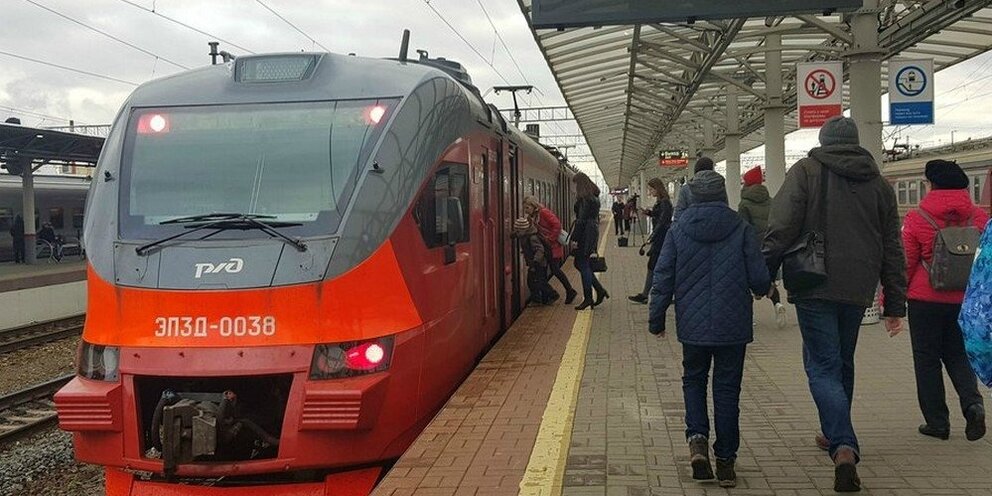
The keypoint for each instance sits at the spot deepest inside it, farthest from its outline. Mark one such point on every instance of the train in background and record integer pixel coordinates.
(59, 200)
(974, 157)
(293, 261)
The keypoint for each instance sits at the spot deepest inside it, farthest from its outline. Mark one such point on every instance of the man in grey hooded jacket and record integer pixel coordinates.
(859, 220)
(685, 194)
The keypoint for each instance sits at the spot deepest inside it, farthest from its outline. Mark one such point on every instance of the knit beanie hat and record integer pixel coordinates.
(707, 186)
(704, 163)
(944, 174)
(839, 130)
(521, 224)
(753, 177)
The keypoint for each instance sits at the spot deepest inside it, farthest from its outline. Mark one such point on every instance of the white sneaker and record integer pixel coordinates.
(780, 315)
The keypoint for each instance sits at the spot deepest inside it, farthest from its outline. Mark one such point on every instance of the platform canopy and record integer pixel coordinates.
(641, 88)
(19, 144)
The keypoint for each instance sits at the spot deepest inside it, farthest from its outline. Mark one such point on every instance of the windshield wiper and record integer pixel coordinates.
(223, 222)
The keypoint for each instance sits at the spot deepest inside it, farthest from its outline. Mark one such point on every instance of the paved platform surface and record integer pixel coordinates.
(626, 429)
(20, 276)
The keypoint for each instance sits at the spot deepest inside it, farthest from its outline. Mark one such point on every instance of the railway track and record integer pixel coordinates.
(43, 332)
(29, 409)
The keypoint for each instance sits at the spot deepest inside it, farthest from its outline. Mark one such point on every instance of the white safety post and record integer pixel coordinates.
(774, 114)
(732, 145)
(30, 230)
(865, 63)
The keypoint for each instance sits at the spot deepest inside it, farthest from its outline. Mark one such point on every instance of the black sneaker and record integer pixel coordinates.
(699, 452)
(928, 430)
(638, 298)
(725, 472)
(975, 415)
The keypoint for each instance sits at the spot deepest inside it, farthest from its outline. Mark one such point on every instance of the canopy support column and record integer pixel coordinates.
(774, 115)
(865, 57)
(732, 145)
(30, 230)
(708, 149)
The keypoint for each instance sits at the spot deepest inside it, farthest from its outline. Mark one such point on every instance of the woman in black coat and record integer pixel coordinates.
(661, 220)
(585, 238)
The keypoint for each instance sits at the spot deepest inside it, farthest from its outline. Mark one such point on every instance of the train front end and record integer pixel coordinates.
(248, 322)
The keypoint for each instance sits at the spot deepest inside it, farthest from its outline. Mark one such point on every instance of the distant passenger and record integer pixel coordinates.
(685, 198)
(711, 264)
(618, 217)
(17, 235)
(859, 220)
(536, 258)
(630, 212)
(661, 219)
(754, 208)
(933, 313)
(585, 239)
(549, 227)
(47, 233)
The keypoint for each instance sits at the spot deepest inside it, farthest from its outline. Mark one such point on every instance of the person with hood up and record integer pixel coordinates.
(755, 204)
(933, 314)
(711, 264)
(858, 219)
(685, 198)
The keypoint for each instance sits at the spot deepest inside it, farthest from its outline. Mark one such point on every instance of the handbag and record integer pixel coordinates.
(804, 264)
(597, 263)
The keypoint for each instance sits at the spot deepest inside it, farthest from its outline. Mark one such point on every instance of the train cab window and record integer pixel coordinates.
(57, 217)
(431, 212)
(6, 219)
(77, 218)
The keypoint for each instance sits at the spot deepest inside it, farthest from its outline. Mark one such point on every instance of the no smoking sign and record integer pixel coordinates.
(820, 96)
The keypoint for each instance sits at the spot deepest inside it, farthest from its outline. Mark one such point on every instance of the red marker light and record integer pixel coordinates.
(153, 124)
(376, 113)
(365, 356)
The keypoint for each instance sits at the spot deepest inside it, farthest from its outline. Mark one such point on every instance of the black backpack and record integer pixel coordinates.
(954, 249)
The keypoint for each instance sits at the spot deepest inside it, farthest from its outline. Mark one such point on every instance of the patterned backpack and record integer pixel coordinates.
(976, 311)
(954, 249)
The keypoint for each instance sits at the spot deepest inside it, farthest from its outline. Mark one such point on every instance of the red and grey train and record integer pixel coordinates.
(294, 260)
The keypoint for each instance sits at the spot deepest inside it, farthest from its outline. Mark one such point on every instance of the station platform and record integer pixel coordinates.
(590, 403)
(42, 292)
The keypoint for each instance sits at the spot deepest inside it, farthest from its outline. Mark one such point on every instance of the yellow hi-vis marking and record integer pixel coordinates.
(546, 468)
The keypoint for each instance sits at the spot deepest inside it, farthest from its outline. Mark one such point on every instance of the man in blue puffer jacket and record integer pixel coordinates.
(711, 264)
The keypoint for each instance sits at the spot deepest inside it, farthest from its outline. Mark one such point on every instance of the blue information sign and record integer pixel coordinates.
(911, 92)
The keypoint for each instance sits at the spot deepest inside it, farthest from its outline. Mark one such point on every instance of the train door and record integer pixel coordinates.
(491, 246)
(511, 211)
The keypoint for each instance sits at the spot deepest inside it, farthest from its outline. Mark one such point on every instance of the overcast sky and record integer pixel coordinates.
(47, 96)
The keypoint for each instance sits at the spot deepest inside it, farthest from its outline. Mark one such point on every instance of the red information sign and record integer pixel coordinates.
(820, 96)
(673, 158)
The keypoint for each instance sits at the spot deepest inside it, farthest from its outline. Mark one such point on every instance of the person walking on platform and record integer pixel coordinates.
(755, 204)
(933, 313)
(17, 236)
(836, 208)
(549, 227)
(630, 213)
(661, 219)
(618, 217)
(536, 257)
(585, 239)
(711, 264)
(685, 198)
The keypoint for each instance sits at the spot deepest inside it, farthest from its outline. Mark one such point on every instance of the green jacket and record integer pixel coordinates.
(755, 206)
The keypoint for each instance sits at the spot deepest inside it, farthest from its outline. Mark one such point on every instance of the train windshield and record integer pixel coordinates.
(295, 162)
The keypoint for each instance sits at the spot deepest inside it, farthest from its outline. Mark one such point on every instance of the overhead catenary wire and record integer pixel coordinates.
(67, 68)
(187, 26)
(104, 33)
(294, 26)
(33, 113)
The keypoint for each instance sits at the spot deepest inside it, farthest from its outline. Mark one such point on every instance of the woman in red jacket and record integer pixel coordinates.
(933, 314)
(549, 227)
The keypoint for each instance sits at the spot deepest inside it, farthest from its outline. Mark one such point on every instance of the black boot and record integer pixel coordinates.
(638, 298)
(699, 452)
(725, 472)
(975, 415)
(928, 430)
(601, 294)
(584, 305)
(570, 295)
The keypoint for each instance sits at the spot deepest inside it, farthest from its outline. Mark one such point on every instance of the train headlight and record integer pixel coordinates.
(333, 361)
(98, 362)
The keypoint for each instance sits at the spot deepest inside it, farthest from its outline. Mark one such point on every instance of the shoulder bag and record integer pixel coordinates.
(804, 265)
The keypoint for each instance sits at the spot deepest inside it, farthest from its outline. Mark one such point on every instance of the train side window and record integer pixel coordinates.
(57, 217)
(914, 192)
(902, 192)
(530, 186)
(976, 189)
(77, 218)
(6, 219)
(431, 211)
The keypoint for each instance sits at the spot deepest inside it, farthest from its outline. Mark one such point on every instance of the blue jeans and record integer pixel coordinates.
(830, 336)
(589, 280)
(728, 370)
